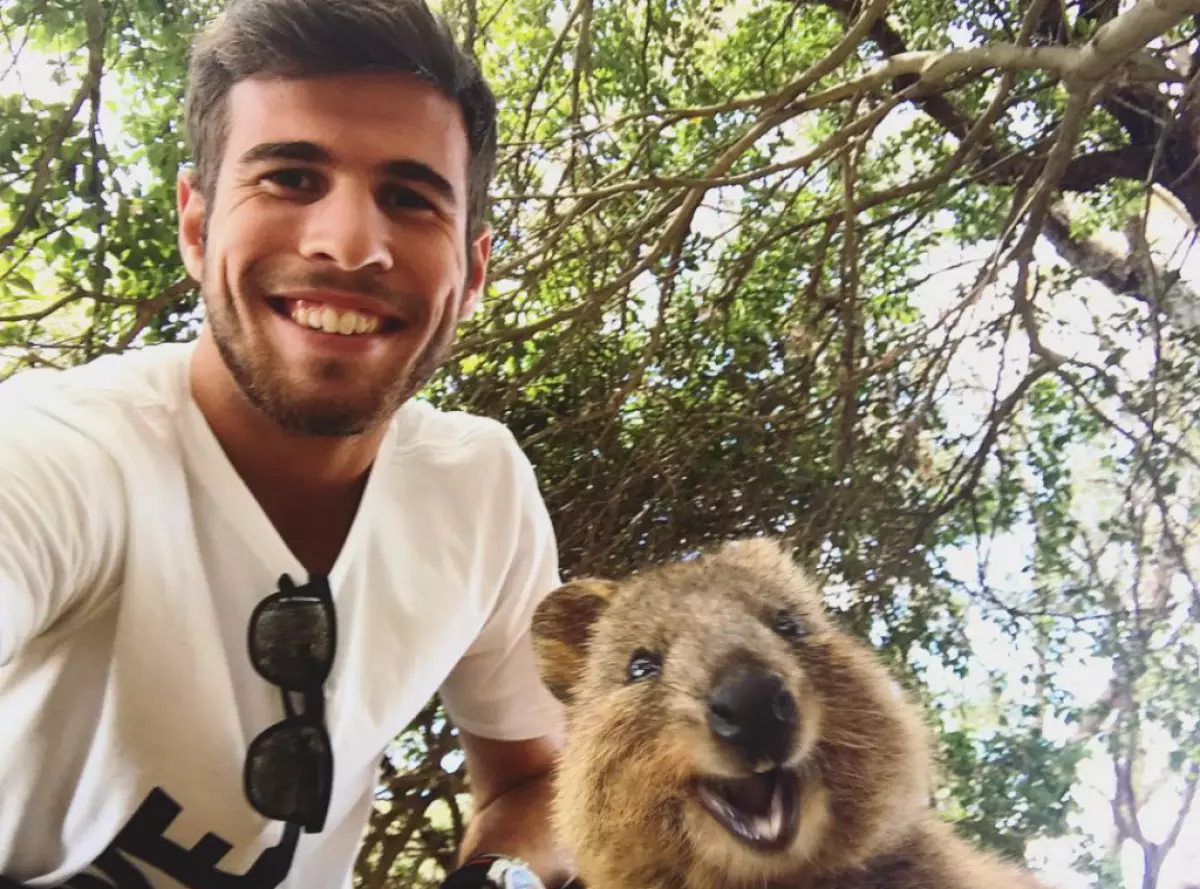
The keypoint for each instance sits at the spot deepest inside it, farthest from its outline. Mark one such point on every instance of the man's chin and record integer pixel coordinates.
(328, 397)
(330, 414)
(327, 417)
(316, 424)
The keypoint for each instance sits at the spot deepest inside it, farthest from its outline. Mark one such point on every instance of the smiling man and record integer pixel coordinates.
(231, 571)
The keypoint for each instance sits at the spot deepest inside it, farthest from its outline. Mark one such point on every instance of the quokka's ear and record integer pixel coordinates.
(562, 626)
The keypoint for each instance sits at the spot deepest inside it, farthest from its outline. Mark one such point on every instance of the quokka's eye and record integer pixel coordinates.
(644, 664)
(787, 625)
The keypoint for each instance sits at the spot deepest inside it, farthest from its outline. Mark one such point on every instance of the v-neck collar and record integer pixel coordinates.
(243, 511)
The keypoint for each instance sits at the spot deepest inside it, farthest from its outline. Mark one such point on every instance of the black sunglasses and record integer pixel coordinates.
(288, 775)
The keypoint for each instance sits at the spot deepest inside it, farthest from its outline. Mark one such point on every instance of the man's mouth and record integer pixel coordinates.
(762, 811)
(333, 319)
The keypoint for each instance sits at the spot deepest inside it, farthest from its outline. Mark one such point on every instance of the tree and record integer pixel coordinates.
(841, 271)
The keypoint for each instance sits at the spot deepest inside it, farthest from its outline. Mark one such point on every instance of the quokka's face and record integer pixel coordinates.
(705, 714)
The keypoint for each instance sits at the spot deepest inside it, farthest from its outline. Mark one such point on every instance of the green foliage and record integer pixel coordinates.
(1104, 869)
(1009, 787)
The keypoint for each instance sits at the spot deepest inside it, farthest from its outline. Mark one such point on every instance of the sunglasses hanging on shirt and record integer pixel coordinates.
(288, 774)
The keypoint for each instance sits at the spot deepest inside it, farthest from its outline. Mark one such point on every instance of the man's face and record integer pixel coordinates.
(334, 267)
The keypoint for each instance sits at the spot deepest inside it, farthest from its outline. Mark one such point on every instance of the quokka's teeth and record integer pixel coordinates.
(775, 817)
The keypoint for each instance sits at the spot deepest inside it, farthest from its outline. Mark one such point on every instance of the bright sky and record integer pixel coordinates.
(977, 370)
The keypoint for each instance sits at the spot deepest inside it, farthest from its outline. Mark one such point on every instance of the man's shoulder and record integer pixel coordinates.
(456, 434)
(467, 458)
(103, 401)
(135, 379)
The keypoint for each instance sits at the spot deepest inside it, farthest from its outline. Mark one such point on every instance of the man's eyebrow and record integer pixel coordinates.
(290, 151)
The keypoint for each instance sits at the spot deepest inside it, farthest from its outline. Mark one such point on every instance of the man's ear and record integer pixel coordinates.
(192, 213)
(480, 251)
(562, 627)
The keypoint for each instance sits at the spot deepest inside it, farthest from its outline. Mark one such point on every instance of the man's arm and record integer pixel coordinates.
(61, 515)
(509, 723)
(511, 788)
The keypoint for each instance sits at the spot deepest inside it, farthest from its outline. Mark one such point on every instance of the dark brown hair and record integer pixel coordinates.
(302, 38)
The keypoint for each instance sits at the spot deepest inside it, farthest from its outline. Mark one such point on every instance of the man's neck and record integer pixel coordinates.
(308, 486)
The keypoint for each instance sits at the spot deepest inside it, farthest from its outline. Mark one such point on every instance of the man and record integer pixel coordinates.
(232, 571)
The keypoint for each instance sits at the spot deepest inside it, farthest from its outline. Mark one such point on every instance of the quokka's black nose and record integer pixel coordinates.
(751, 709)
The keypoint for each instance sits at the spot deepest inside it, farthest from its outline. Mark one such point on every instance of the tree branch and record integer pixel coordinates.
(1087, 172)
(1121, 38)
(968, 478)
(42, 314)
(147, 309)
(1080, 174)
(850, 320)
(1122, 273)
(1185, 807)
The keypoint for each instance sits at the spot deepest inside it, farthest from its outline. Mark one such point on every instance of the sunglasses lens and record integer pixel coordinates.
(291, 641)
(289, 772)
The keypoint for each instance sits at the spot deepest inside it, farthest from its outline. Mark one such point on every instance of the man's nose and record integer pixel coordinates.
(347, 228)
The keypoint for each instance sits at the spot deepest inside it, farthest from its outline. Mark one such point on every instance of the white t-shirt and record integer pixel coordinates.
(131, 556)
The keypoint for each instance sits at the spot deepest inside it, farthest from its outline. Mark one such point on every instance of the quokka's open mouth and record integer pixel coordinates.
(761, 810)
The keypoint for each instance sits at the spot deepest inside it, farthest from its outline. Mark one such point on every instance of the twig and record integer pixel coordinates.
(147, 309)
(684, 206)
(849, 306)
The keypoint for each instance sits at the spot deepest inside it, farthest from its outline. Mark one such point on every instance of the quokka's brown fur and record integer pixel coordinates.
(626, 800)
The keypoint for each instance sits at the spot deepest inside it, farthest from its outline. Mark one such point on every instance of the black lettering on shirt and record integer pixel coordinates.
(143, 841)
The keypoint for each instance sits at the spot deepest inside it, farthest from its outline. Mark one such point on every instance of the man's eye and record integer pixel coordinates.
(292, 179)
(406, 199)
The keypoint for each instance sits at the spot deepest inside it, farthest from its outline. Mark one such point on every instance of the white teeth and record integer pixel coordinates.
(775, 822)
(767, 827)
(345, 322)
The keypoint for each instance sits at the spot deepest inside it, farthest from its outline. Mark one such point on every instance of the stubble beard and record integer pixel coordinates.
(271, 394)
